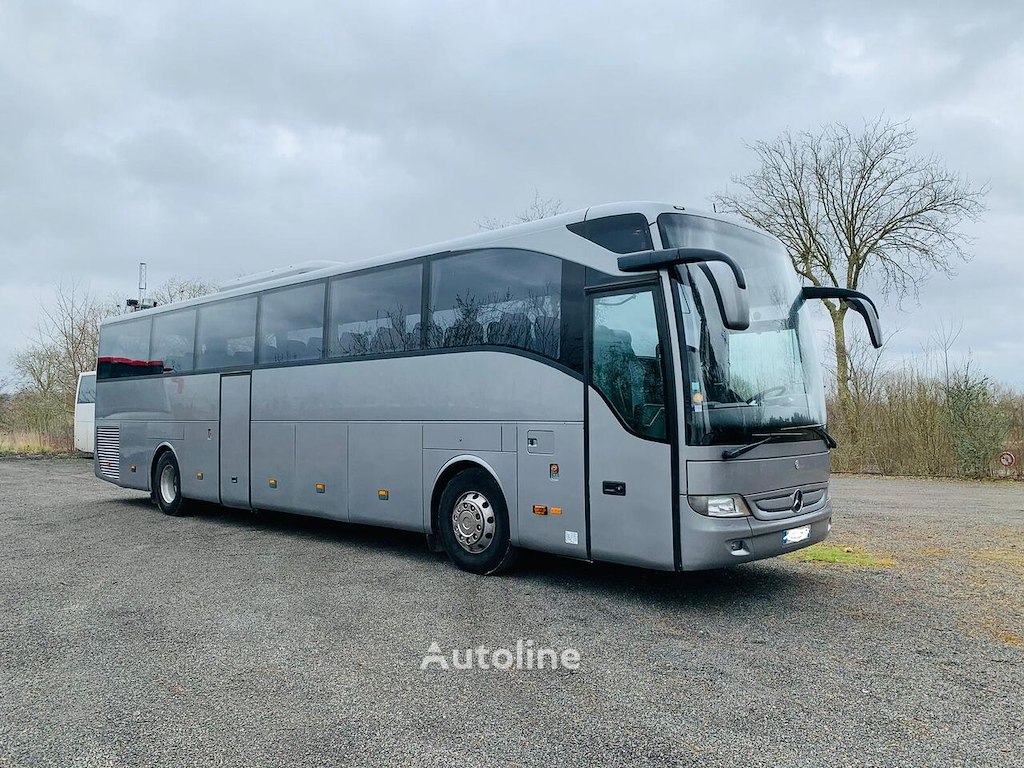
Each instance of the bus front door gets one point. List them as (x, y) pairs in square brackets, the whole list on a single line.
[(628, 448), (234, 440)]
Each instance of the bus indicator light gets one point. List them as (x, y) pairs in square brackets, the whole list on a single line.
[(556, 510), (199, 475), (321, 488), (553, 472), (272, 483), (382, 495), (540, 509)]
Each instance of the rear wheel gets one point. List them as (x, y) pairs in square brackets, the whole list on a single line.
[(473, 522), (167, 486)]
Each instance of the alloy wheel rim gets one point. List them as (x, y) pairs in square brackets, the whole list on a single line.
[(473, 522)]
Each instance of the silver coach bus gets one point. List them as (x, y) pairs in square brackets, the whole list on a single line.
[(633, 383)]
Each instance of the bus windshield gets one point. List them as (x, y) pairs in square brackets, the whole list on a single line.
[(744, 384)]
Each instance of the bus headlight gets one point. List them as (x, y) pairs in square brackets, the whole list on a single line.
[(719, 506)]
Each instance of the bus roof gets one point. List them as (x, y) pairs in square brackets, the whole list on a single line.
[(548, 235)]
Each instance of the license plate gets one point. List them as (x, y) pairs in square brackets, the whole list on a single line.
[(796, 535)]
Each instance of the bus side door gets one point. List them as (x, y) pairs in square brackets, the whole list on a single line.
[(628, 428)]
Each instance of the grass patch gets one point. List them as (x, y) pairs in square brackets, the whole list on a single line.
[(832, 554), (25, 443), (1008, 557), (1009, 638), (997, 630)]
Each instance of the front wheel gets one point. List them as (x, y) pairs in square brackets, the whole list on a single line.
[(167, 486), (473, 522)]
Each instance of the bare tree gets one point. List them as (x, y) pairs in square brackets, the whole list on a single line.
[(540, 208), (849, 206), (181, 289), (64, 344)]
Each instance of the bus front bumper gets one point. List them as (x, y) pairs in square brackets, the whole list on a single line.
[(713, 542)]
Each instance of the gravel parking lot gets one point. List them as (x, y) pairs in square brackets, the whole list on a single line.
[(227, 638)]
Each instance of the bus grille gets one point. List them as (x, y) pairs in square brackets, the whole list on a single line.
[(108, 452)]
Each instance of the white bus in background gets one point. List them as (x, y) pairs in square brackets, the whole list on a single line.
[(85, 413)]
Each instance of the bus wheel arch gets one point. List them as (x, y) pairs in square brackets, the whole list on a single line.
[(451, 468), (471, 485)]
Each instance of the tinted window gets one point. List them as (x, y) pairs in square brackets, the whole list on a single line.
[(626, 364), (620, 234), (124, 350), (173, 340), (292, 324), (376, 312), (87, 388), (226, 334), (500, 296), (127, 341)]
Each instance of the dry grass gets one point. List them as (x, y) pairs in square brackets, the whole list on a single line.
[(907, 421), (998, 632), (1011, 557), (833, 554), (1008, 638), (23, 442)]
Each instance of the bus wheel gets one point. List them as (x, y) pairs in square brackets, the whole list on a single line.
[(167, 486), (473, 521)]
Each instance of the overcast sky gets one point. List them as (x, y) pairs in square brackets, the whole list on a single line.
[(210, 139)]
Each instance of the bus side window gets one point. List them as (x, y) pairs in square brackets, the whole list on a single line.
[(291, 319), (500, 297), (173, 340), (376, 313), (226, 334), (124, 349)]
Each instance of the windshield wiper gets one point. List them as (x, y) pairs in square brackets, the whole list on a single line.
[(819, 430), (734, 452)]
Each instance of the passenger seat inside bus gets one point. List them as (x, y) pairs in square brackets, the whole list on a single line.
[(294, 350), (464, 333), (617, 372), (435, 336), (388, 339), (350, 344), (215, 354), (512, 330)]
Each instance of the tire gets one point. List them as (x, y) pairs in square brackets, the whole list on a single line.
[(167, 486), (473, 522)]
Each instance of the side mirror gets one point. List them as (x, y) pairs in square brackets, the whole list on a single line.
[(732, 300), (857, 301)]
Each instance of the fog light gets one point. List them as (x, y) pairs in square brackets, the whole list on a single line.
[(719, 506)]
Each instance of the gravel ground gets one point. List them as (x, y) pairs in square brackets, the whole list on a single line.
[(130, 638)]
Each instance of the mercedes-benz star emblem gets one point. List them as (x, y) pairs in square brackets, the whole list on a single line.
[(798, 501)]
